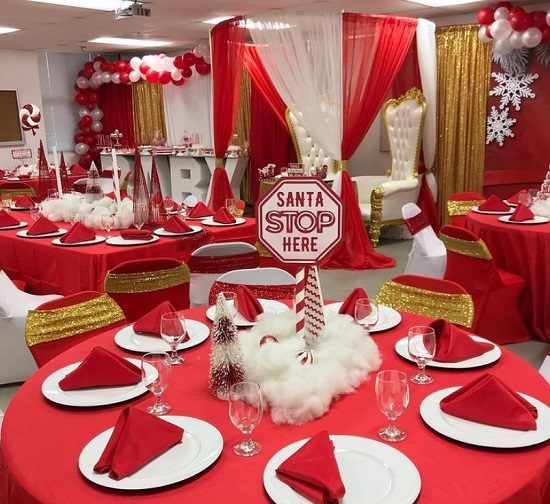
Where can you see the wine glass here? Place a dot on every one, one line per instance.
(231, 299)
(184, 211)
(139, 219)
(392, 396)
(245, 412)
(173, 330)
(53, 194)
(34, 212)
(230, 205)
(6, 202)
(156, 372)
(421, 345)
(366, 313)
(108, 221)
(168, 204)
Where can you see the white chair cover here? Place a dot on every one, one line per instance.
(17, 362)
(428, 256)
(200, 283)
(545, 368)
(260, 276)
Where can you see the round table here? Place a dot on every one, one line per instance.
(41, 441)
(523, 250)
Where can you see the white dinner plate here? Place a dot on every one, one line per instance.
(492, 212)
(83, 398)
(211, 222)
(481, 434)
(19, 208)
(197, 218)
(508, 202)
(537, 219)
(269, 306)
(371, 471)
(59, 232)
(162, 232)
(387, 317)
(15, 226)
(97, 239)
(201, 446)
(401, 347)
(126, 338)
(118, 241)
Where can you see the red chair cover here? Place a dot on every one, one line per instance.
(276, 292)
(17, 188)
(139, 286)
(459, 204)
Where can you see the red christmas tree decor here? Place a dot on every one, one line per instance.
(64, 176)
(141, 194)
(44, 181)
(156, 200)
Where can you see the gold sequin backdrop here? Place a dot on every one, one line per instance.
(148, 111)
(463, 69)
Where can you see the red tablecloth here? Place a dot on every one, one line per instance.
(33, 182)
(525, 251)
(41, 442)
(48, 268)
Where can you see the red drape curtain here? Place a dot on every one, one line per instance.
(115, 100)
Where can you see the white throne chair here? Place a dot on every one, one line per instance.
(382, 197)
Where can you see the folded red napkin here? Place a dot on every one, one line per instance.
(493, 204)
(348, 306)
(175, 206)
(136, 234)
(224, 216)
(175, 224)
(78, 233)
(42, 226)
(247, 303)
(7, 219)
(24, 177)
(521, 213)
(78, 170)
(150, 322)
(515, 197)
(101, 369)
(200, 210)
(489, 401)
(313, 472)
(137, 438)
(52, 174)
(24, 202)
(454, 344)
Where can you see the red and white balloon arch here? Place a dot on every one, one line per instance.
(152, 68)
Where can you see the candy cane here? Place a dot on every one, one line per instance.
(299, 302)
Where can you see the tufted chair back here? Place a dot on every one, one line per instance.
(308, 151)
(404, 120)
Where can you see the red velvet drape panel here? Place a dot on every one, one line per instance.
(115, 100)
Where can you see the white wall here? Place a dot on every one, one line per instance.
(19, 70)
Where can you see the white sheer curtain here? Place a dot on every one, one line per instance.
(188, 108)
(302, 55)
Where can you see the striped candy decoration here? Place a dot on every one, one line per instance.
(314, 313)
(299, 302)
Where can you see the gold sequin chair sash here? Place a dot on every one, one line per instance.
(147, 281)
(456, 207)
(476, 249)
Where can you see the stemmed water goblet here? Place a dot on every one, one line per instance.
(392, 397)
(168, 204)
(245, 412)
(366, 313)
(108, 221)
(173, 330)
(231, 299)
(421, 346)
(156, 373)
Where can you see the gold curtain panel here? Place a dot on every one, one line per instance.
(243, 132)
(148, 111)
(463, 70)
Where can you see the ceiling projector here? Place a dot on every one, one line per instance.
(129, 8)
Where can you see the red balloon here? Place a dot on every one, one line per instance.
(90, 141)
(187, 73)
(88, 72)
(546, 34)
(104, 66)
(120, 66)
(180, 82)
(111, 68)
(80, 74)
(520, 21)
(202, 68)
(486, 15)
(81, 99)
(143, 68)
(538, 19)
(85, 129)
(76, 88)
(152, 76)
(86, 120)
(164, 77)
(178, 62)
(88, 65)
(124, 77)
(189, 59)
(90, 106)
(93, 97)
(85, 160)
(99, 58)
(488, 31)
(93, 151)
(516, 10)
(79, 138)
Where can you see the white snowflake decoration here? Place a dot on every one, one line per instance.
(512, 88)
(499, 126)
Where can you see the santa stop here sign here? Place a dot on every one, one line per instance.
(300, 220)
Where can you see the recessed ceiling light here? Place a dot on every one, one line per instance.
(130, 42)
(443, 3)
(105, 5)
(217, 20)
(7, 29)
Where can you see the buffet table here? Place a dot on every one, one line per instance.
(51, 269)
(41, 442)
(525, 251)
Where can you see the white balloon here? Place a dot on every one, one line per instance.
(97, 114)
(96, 126)
(105, 77)
(198, 52)
(531, 37)
(96, 78)
(481, 35)
(502, 46)
(135, 62)
(81, 148)
(148, 59)
(501, 29)
(206, 56)
(502, 13)
(83, 111)
(167, 64)
(97, 66)
(115, 78)
(134, 76)
(176, 74)
(548, 18)
(82, 82)
(515, 40)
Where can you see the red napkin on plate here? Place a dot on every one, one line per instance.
(348, 306)
(493, 204)
(150, 322)
(101, 369)
(136, 234)
(521, 213)
(200, 210)
(224, 216)
(24, 177)
(137, 438)
(78, 233)
(515, 197)
(7, 220)
(175, 224)
(454, 344)
(42, 226)
(247, 303)
(313, 472)
(489, 401)
(175, 206)
(24, 202)
(78, 170)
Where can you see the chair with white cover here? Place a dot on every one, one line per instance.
(208, 262)
(545, 368)
(428, 256)
(17, 361)
(266, 283)
(382, 197)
